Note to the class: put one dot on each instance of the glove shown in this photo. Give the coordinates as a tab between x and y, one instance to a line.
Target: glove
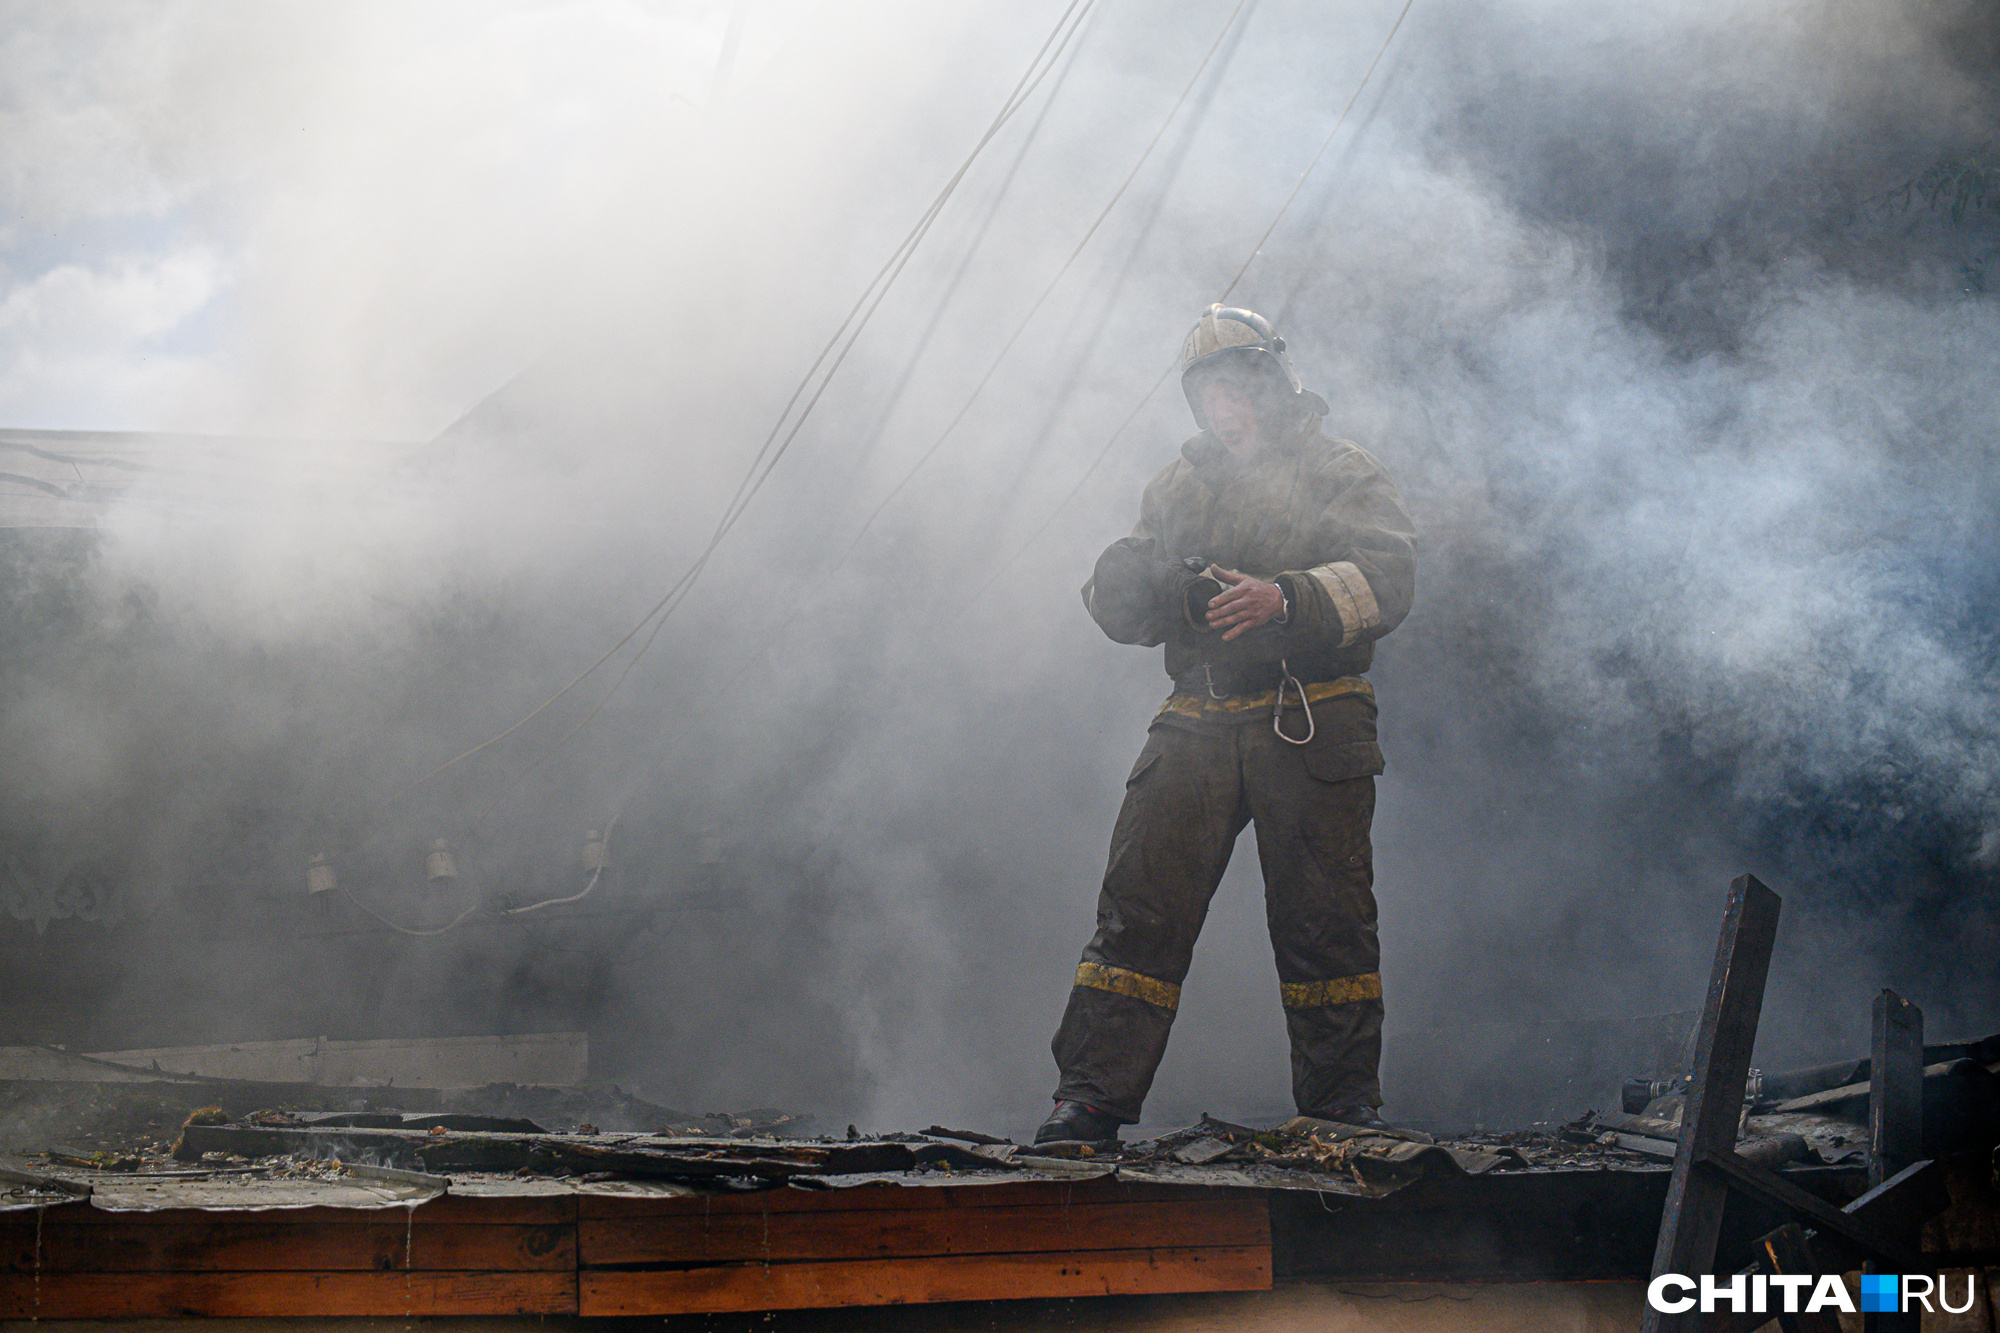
1196	593
1132	587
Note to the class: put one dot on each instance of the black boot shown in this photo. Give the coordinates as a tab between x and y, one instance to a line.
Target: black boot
1362	1117
1074	1121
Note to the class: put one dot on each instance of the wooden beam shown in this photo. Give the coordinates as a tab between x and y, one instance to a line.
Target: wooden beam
1692	1219
1895	1119
483	1210
1773	1188
1895	1088
882	1234
254	1242
281	1295
756	1286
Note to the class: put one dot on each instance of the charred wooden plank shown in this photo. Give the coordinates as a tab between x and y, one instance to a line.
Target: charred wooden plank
1572	1226
964	1135
1651	1127
435	1152
1897	1208
1860	1231
1895	1121
1691	1222
1896	1088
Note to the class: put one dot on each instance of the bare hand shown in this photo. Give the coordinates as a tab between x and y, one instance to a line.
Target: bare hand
1244	605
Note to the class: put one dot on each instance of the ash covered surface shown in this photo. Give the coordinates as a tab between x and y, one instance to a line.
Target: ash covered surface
461	1149
113	1137
125	1120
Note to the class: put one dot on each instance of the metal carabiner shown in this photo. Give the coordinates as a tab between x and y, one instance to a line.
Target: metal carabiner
1208	670
1285	677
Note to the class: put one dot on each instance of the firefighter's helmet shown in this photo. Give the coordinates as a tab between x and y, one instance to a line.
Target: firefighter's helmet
1226	340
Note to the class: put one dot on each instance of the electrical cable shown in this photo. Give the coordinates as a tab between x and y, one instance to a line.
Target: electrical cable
767	455
1308	266
596	873
1255	250
1077	489
767	458
922	344
678	594
408	930
1047	291
1059	402
464	853
1324	144
1055	407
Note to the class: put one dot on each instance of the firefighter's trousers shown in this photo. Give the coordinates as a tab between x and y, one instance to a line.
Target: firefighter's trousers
1188	797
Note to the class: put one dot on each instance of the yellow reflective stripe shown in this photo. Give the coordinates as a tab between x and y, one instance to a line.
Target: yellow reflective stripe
1102	976
1201	705
1334	990
1347	587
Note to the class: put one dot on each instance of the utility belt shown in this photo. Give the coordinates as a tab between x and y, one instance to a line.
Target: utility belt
1235	679
1224	682
1234	688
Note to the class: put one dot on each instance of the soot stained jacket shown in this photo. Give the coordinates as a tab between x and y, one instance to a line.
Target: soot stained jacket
1315	513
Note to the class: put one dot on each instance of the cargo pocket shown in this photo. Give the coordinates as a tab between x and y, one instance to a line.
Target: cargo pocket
1342	761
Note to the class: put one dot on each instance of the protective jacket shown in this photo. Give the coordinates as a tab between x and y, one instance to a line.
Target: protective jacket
1320	517
1315	514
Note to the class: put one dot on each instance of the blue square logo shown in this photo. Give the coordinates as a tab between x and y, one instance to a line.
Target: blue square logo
1880	1293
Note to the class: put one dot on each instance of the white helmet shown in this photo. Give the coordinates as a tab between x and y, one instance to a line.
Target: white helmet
1227	340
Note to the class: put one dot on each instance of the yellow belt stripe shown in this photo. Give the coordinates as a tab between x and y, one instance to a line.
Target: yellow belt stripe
1102	976
1201	705
1334	990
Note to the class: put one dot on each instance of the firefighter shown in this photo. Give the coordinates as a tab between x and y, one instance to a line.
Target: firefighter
1268	559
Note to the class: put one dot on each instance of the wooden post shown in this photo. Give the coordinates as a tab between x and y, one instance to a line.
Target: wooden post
1692	1219
1895	1117
1895	1088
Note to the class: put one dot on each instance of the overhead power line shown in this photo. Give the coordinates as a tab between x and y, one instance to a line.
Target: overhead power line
792	617
791	419
1047	291
1242	269
798	407
921	345
1057	407
1324	144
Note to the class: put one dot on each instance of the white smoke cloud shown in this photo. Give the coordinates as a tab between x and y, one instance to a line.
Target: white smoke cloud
1587	281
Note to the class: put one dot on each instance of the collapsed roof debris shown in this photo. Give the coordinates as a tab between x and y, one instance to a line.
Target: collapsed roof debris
658	1212
482	1133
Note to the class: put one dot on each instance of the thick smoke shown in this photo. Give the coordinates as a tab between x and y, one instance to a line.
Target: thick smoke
1695	416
